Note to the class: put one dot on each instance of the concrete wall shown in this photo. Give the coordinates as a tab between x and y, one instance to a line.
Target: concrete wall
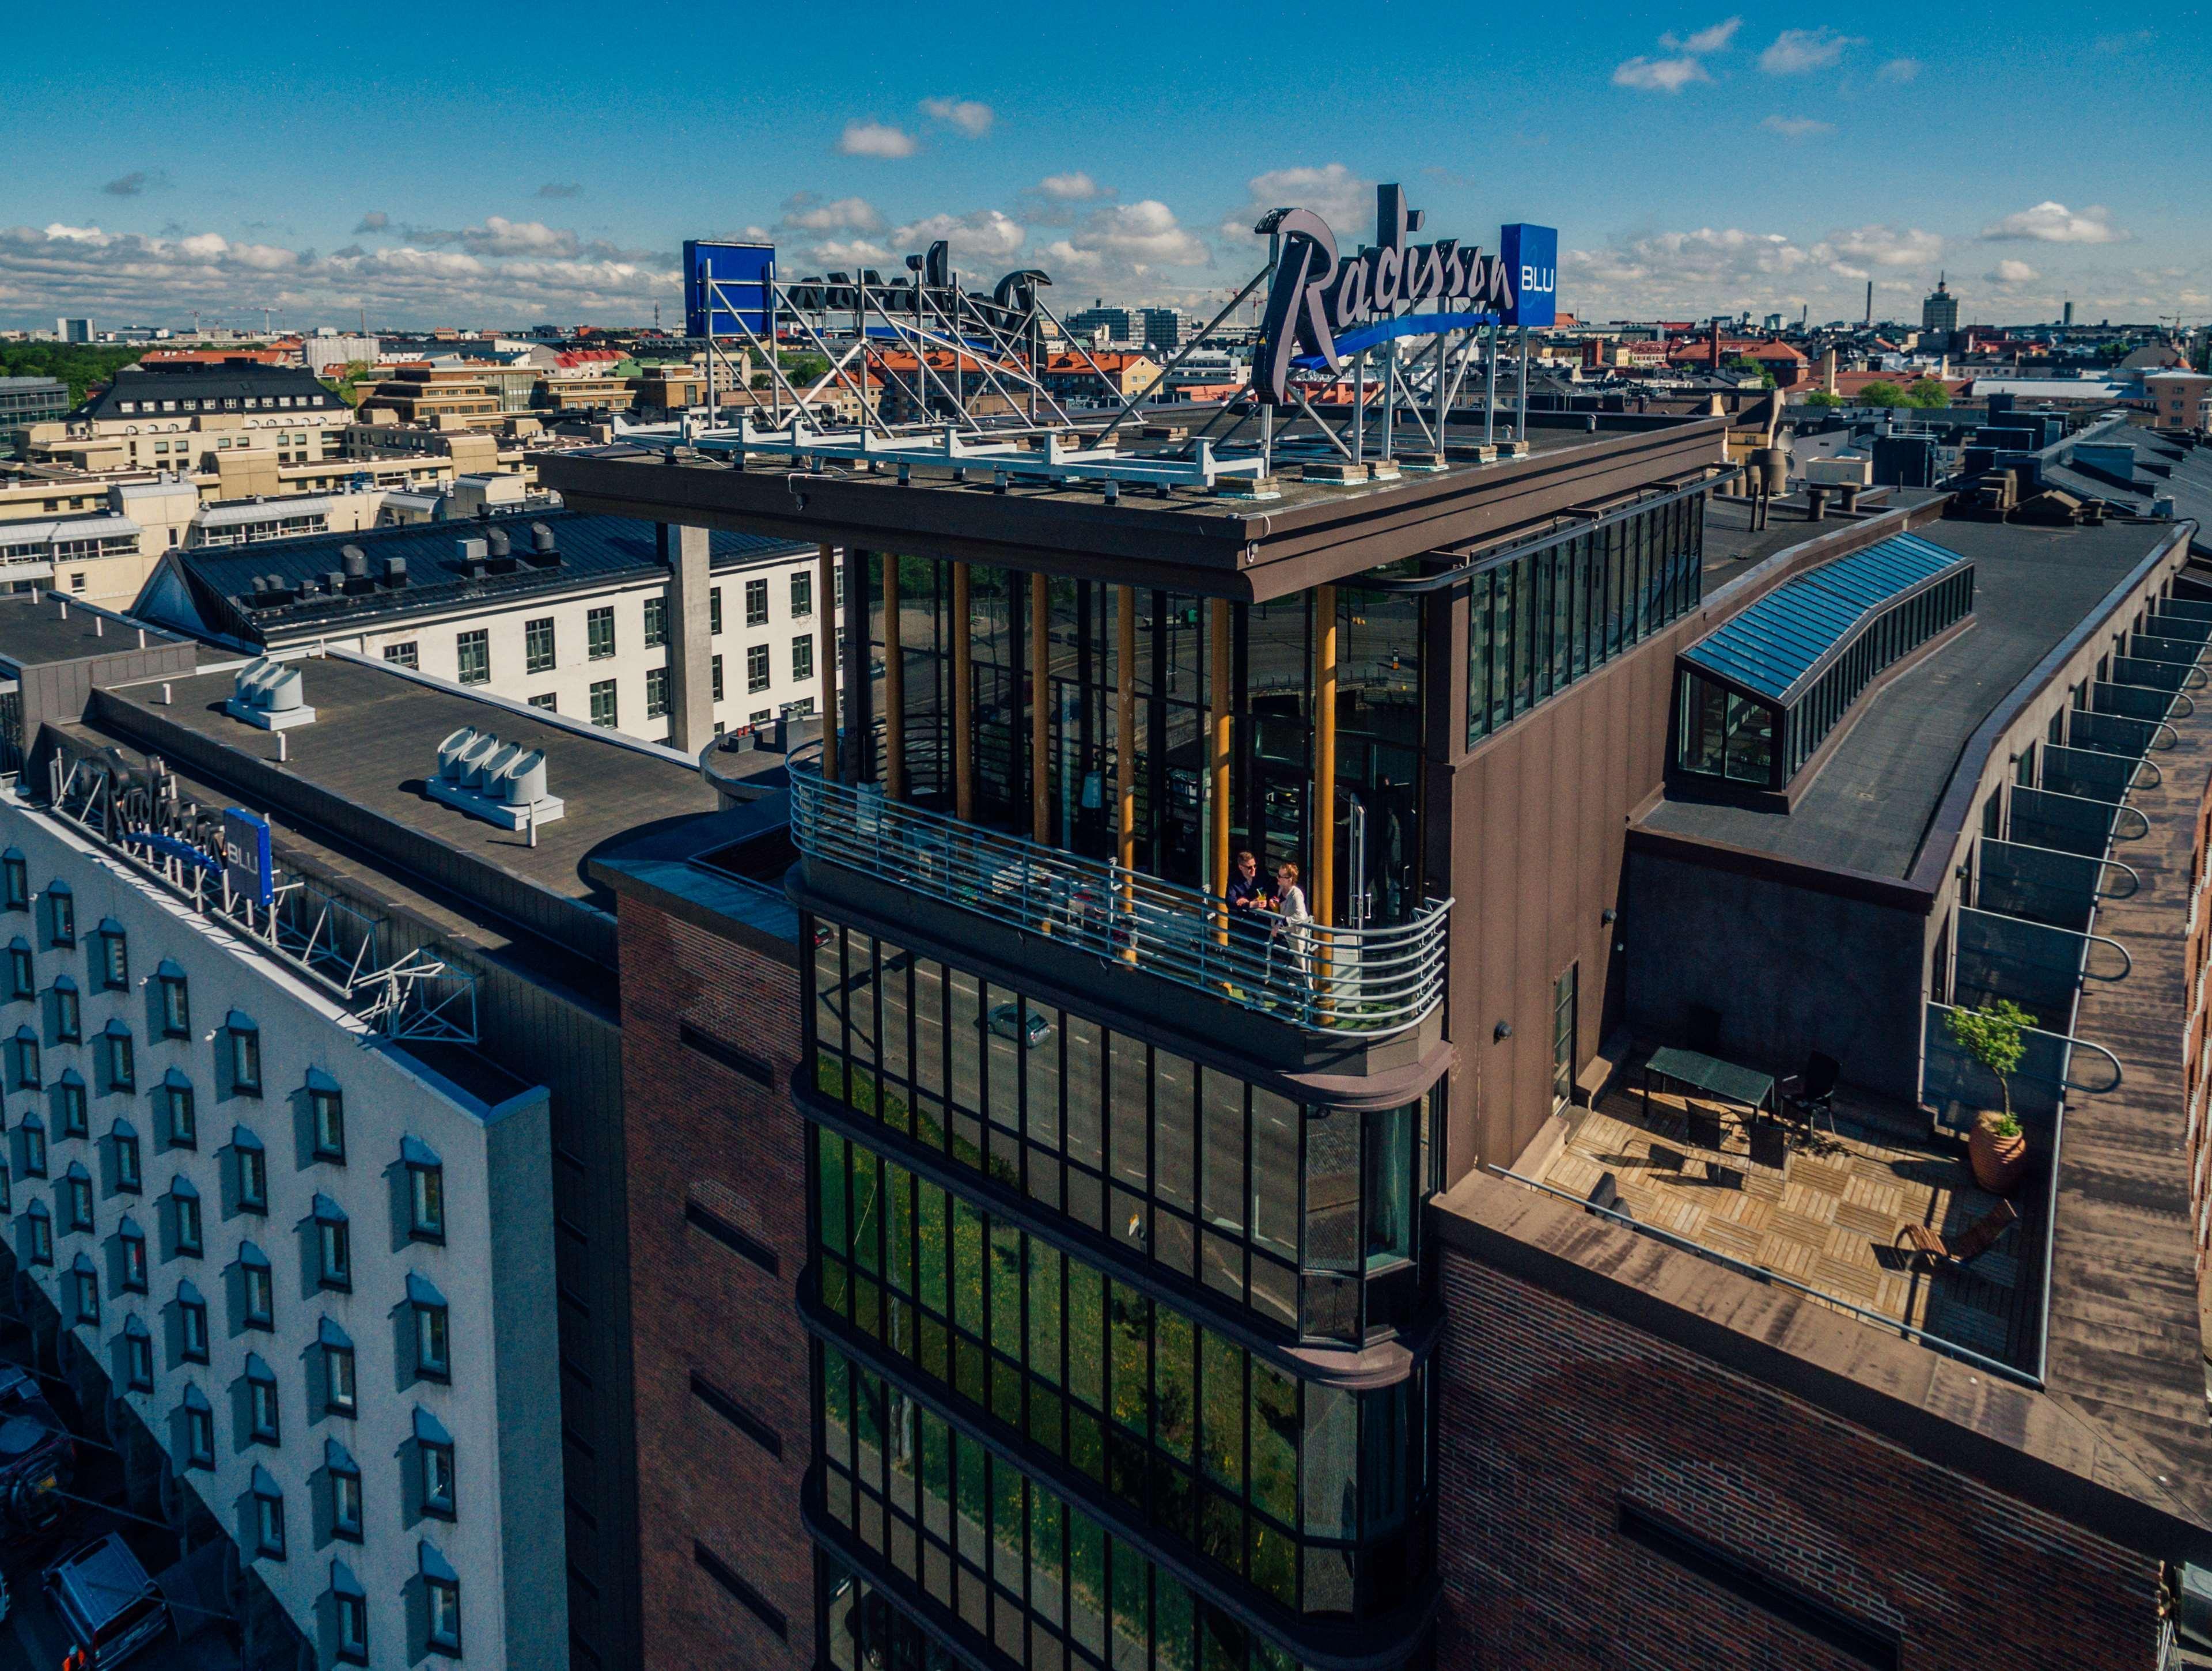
1790	965
501	1403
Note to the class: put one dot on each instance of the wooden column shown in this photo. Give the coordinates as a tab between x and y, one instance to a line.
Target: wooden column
827	648
963	701
894	684
1041	708
1321	816
1218	799
1125	724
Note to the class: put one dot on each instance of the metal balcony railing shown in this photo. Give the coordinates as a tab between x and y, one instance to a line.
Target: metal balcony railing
1369	982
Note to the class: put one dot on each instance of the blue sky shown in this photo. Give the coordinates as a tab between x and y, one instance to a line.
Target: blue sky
476	164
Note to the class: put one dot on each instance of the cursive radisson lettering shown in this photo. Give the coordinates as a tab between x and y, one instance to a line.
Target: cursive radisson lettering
1316	293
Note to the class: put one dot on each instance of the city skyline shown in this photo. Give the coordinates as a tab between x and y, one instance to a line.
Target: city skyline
1696	161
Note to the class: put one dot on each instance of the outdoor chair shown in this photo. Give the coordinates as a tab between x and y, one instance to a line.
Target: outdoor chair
1813	1090
1977	1239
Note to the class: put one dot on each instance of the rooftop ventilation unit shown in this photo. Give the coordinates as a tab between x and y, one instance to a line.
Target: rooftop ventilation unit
271	694
395	572
543	553
502	783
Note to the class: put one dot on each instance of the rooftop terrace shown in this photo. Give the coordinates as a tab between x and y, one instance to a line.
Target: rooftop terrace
2033	588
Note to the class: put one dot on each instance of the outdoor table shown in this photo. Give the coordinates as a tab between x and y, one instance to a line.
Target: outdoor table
1714	1077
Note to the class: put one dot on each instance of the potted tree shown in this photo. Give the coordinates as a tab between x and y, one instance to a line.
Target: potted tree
1994	1036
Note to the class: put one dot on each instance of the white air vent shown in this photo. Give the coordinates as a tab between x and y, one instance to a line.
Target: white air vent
270	694
502	783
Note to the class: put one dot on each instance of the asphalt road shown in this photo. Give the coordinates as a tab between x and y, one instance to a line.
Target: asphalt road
32	1638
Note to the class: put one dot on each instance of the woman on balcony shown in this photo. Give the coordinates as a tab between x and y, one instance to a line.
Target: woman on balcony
1291	916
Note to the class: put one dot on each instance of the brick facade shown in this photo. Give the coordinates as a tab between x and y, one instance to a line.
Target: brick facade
1552	1415
714	1150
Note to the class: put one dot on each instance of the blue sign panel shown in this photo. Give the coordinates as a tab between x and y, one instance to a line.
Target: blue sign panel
731	280
252	869
1531	255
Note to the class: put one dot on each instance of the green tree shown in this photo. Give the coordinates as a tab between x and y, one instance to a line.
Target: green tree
1994	1036
1822	397
1881	394
80	365
346	385
1928	391
1744	362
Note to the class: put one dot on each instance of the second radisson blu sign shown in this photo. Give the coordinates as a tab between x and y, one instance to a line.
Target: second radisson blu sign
1323	307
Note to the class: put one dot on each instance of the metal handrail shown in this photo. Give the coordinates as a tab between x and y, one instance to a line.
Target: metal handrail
1372	982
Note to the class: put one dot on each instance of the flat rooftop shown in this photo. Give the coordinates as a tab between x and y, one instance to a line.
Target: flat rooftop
37	630
1182	538
373	745
1868	806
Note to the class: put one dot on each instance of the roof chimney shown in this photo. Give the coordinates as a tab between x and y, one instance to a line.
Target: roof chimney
495	542
395	571
355	561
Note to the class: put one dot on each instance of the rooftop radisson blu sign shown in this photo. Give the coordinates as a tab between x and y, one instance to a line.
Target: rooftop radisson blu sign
1324	307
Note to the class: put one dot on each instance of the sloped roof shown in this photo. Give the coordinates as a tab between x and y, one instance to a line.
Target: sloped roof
1772	648
207	590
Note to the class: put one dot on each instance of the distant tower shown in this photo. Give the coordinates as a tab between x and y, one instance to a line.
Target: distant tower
2069	312
1869	317
1939	316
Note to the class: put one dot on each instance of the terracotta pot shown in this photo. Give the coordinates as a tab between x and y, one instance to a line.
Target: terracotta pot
1998	1161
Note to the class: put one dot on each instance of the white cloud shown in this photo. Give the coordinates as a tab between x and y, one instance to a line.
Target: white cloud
137	183
1878	246
803	212
986	234
162	279
1336	194
2009	271
375	220
836	252
1125	241
1705	271
1076	187
876	139
1796	51
2050	222
1899	69
1659	74
1797	127
500	236
966	115
1713	39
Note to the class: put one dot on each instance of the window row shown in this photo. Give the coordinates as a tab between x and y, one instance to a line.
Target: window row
1541	620
1308	1215
472	651
1317	1494
251	1294
347	1603
1018	1564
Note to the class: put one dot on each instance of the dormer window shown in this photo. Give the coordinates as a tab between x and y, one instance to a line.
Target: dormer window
111	957
176	1002
61	914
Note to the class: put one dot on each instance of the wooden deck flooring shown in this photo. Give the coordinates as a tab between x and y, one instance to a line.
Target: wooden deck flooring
1827	1211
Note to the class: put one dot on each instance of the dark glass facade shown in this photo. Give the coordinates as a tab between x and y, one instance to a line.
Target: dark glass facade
1271	675
1306	1215
1542	618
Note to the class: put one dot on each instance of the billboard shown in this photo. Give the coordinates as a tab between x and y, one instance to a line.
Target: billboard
740	274
1531	255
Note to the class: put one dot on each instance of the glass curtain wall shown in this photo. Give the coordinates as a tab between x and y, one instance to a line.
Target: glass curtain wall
1540	619
1271	651
1307	1216
1316	1495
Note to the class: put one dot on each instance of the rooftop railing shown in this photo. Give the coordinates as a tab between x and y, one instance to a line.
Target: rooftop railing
1368	982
